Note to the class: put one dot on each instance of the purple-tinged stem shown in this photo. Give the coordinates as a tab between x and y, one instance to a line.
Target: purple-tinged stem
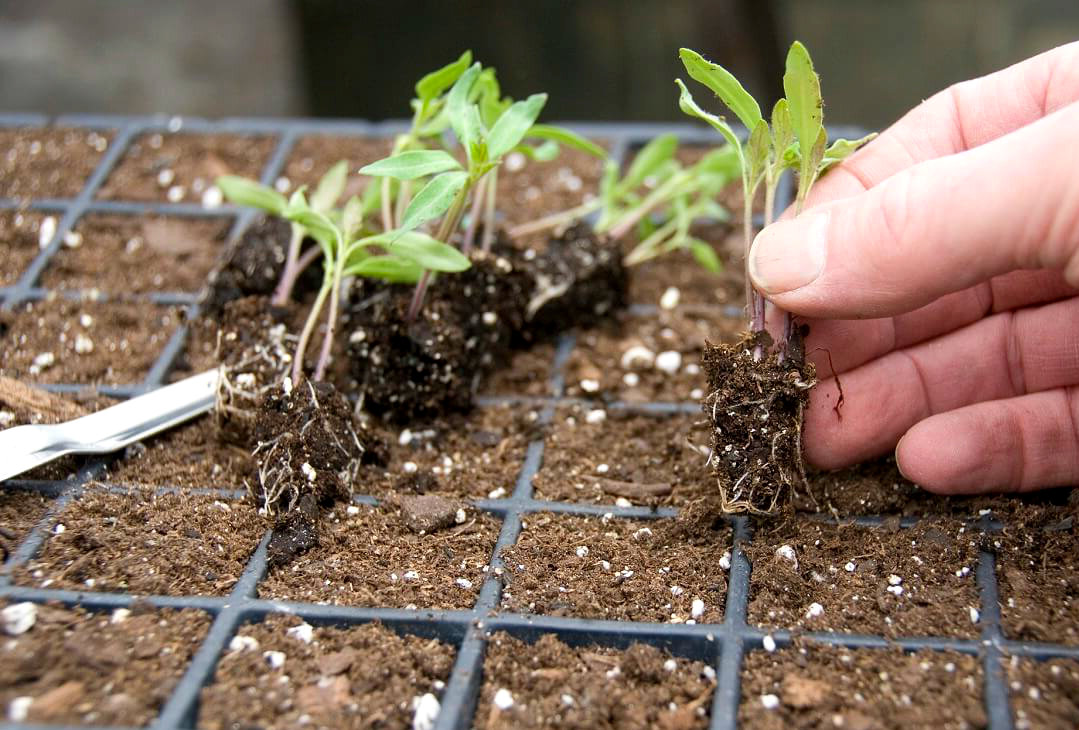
474	216
308	328
449	224
289	276
291	270
331	323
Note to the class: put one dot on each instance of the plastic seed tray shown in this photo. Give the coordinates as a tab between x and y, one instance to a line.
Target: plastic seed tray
723	646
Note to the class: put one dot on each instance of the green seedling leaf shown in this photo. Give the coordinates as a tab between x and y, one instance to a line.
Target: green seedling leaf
424	250
542	153
318	226
647	162
457	103
567	137
412	164
721	162
241	191
689	106
724	85
434	83
757	151
802	88
512	126
705	255
387	268
782	131
352	217
841	149
330	187
433	200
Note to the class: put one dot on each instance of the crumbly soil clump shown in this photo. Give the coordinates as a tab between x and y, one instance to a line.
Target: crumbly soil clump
646	459
65	341
135	255
78	667
887	581
756	412
20	511
1044	694
179	168
626	570
146	544
365	676
553	685
19	243
370	556
48	162
811	686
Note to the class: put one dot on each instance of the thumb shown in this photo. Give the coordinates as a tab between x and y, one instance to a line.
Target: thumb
934	228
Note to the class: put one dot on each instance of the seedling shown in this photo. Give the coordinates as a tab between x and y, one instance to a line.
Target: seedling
796	139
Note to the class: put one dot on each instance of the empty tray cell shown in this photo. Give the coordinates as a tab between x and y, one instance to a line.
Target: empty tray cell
48	162
167	544
528	373
20	511
290	674
549	684
647	358
61	340
816	686
918	581
1044	694
313	155
180	168
627	570
20	242
74	667
646	459
122	254
414	556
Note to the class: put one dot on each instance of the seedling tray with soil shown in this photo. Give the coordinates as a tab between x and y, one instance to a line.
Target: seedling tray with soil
554	552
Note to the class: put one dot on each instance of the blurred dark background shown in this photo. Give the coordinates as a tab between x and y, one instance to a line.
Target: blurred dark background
598	59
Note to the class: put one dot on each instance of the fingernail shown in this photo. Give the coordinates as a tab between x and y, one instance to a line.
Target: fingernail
789	254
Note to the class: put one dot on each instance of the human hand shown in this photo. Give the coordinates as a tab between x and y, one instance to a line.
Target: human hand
939	269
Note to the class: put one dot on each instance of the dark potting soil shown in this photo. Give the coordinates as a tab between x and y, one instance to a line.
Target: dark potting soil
61	340
145	544
369	556
810	686
77	667
629	570
645	459
156	163
19	243
363	676
637	358
48	162
553	685
20	511
528	373
314	155
917	581
124	254
1044	694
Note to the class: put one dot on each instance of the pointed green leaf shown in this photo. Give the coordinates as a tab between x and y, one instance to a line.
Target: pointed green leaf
757	150
457	103
544	152
782	131
433	200
647	162
810	166
705	255
690	107
412	164
512	126
568	138
386	268
352	218
436	82
802	88
422	249
841	149
318	226
241	191
330	187
722	161
724	85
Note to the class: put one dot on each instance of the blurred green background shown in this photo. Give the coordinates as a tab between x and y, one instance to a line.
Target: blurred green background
599	59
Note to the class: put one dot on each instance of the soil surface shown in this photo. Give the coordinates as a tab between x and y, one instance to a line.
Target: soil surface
814	687
363	676
917	581
77	667
646	459
66	341
48	162
553	685
1044	694
168	544
314	155
627	570
20	511
528	373
125	255
369	556
528	189
19	243
186	164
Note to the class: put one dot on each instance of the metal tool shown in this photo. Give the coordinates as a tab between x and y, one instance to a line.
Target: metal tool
24	447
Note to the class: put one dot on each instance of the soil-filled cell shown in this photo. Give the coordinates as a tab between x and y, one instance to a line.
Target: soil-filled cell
73	667
20	511
180	168
627	570
168	544
379	557
66	341
48	162
812	687
549	684
284	673
655	358
530	189
645	459
1044	694
528	373
20	242
135	255
313	156
918	581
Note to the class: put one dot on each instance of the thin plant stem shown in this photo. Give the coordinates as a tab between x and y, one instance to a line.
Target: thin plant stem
555	219
489	211
449	224
387	205
308	328
474	215
646	249
331	319
288	278
404	197
291	270
657	197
